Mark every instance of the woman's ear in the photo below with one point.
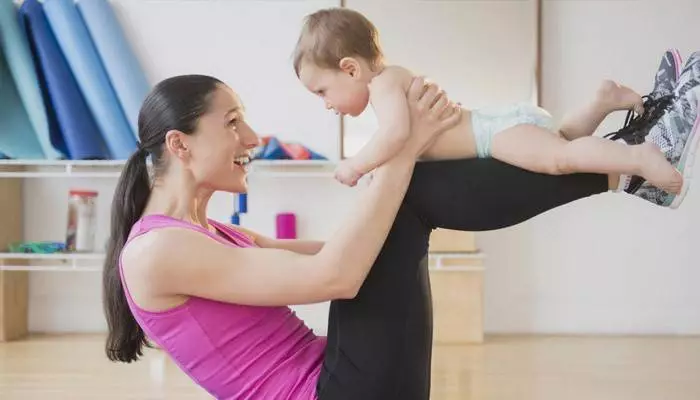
(350, 66)
(176, 144)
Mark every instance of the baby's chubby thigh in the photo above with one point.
(455, 143)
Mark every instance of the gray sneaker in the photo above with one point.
(667, 74)
(636, 127)
(675, 134)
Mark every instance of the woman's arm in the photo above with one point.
(296, 245)
(175, 261)
(300, 246)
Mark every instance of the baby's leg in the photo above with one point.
(536, 149)
(609, 97)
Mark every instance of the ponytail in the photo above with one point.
(126, 339)
(175, 103)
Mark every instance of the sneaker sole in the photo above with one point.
(687, 161)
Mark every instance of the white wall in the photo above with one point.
(248, 44)
(481, 53)
(609, 264)
(606, 264)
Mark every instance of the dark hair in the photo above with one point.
(331, 34)
(174, 103)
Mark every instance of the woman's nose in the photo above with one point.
(249, 139)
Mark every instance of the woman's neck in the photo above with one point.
(181, 199)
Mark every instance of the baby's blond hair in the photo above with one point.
(331, 34)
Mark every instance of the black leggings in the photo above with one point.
(380, 343)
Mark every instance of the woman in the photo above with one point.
(215, 297)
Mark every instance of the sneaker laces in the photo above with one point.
(636, 128)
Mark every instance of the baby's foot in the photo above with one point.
(615, 97)
(656, 169)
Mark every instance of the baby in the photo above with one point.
(339, 58)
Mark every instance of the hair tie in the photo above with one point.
(141, 151)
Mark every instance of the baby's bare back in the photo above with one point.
(455, 143)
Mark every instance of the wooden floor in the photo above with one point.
(504, 368)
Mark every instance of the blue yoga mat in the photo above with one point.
(15, 47)
(79, 50)
(67, 110)
(17, 136)
(118, 58)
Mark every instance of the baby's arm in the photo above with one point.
(388, 98)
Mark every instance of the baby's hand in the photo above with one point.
(346, 174)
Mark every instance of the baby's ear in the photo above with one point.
(350, 66)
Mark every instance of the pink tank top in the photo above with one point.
(233, 351)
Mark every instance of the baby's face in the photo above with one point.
(340, 91)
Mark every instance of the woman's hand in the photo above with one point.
(432, 113)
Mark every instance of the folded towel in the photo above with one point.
(272, 148)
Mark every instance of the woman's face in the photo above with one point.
(220, 149)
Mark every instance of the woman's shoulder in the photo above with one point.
(158, 243)
(145, 275)
(150, 256)
(144, 247)
(152, 239)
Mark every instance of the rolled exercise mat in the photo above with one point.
(76, 45)
(17, 137)
(18, 56)
(72, 115)
(57, 139)
(120, 62)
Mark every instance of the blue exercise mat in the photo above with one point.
(54, 130)
(124, 70)
(17, 137)
(14, 45)
(74, 39)
(68, 111)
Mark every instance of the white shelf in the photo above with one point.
(439, 259)
(292, 169)
(52, 256)
(52, 262)
(93, 261)
(111, 169)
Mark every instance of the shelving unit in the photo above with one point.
(15, 268)
(14, 285)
